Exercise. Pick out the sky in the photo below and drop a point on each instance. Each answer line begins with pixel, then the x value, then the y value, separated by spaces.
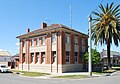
pixel 18 15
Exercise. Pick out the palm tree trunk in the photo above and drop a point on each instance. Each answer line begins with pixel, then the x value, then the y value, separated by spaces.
pixel 108 55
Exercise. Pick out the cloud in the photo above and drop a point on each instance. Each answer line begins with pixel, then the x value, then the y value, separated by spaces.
pixel 17 44
pixel 2 50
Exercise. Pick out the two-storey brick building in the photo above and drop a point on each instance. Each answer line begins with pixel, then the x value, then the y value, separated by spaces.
pixel 53 49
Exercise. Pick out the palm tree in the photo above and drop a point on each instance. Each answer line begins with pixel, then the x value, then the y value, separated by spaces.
pixel 106 27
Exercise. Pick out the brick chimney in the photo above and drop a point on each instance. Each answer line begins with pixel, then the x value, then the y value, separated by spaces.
pixel 43 25
pixel 28 30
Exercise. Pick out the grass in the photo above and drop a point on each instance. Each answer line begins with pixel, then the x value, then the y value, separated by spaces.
pixel 116 68
pixel 72 76
pixel 99 73
pixel 109 71
pixel 30 74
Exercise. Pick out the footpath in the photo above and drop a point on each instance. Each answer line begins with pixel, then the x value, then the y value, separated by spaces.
pixel 64 74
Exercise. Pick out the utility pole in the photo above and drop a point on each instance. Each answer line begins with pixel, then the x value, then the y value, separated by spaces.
pixel 90 46
pixel 70 14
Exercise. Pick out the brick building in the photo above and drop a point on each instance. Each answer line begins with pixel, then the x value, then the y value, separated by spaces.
pixel 53 49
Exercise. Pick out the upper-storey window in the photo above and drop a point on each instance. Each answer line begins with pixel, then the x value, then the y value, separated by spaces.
pixel 24 43
pixel 67 39
pixel 76 41
pixel 83 44
pixel 37 41
pixel 53 38
pixel 32 42
pixel 43 41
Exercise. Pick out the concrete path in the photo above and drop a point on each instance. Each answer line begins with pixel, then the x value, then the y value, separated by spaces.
pixel 72 73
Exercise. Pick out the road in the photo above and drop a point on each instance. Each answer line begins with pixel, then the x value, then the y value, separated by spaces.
pixel 9 78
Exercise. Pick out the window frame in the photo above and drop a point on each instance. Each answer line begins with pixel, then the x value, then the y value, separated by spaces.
pixel 67 57
pixel 43 40
pixel 32 57
pixel 76 56
pixel 54 38
pixel 43 57
pixel 37 41
pixel 67 39
pixel 32 41
pixel 54 56
pixel 37 57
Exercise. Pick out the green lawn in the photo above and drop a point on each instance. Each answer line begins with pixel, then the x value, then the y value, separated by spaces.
pixel 116 68
pixel 72 76
pixel 30 74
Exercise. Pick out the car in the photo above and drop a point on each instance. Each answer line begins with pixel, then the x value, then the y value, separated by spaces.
pixel 4 68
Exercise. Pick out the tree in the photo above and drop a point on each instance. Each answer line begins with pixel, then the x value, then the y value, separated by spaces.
pixel 106 27
pixel 95 56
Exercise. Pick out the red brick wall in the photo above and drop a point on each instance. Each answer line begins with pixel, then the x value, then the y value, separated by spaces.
pixel 80 50
pixel 63 48
pixel 21 51
pixel 72 56
pixel 58 48
pixel 49 49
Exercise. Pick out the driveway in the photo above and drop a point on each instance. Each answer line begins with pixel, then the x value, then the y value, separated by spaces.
pixel 9 78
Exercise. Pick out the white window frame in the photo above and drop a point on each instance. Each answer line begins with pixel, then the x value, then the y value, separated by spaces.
pixel 67 39
pixel 37 57
pixel 53 38
pixel 54 56
pixel 43 57
pixel 43 40
pixel 76 40
pixel 32 58
pixel 76 56
pixel 32 42
pixel 24 43
pixel 37 41
pixel 67 56
pixel 83 44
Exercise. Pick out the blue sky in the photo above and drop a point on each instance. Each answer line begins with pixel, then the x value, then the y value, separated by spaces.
pixel 17 15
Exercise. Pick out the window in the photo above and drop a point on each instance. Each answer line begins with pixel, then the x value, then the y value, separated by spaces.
pixel 37 41
pixel 24 43
pixel 67 56
pixel 76 57
pixel 24 58
pixel 37 57
pixel 83 44
pixel 32 42
pixel 32 57
pixel 43 41
pixel 67 39
pixel 43 57
pixel 53 38
pixel 76 41
pixel 54 56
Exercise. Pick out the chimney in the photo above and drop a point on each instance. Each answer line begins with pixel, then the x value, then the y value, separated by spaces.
pixel 43 25
pixel 28 30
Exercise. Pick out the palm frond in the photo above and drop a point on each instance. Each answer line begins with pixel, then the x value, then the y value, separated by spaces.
pixel 102 8
pixel 116 8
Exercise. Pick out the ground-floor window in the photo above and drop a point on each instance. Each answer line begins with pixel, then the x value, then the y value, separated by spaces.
pixel 32 57
pixel 24 58
pixel 76 57
pixel 43 57
pixel 54 56
pixel 67 56
pixel 37 57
